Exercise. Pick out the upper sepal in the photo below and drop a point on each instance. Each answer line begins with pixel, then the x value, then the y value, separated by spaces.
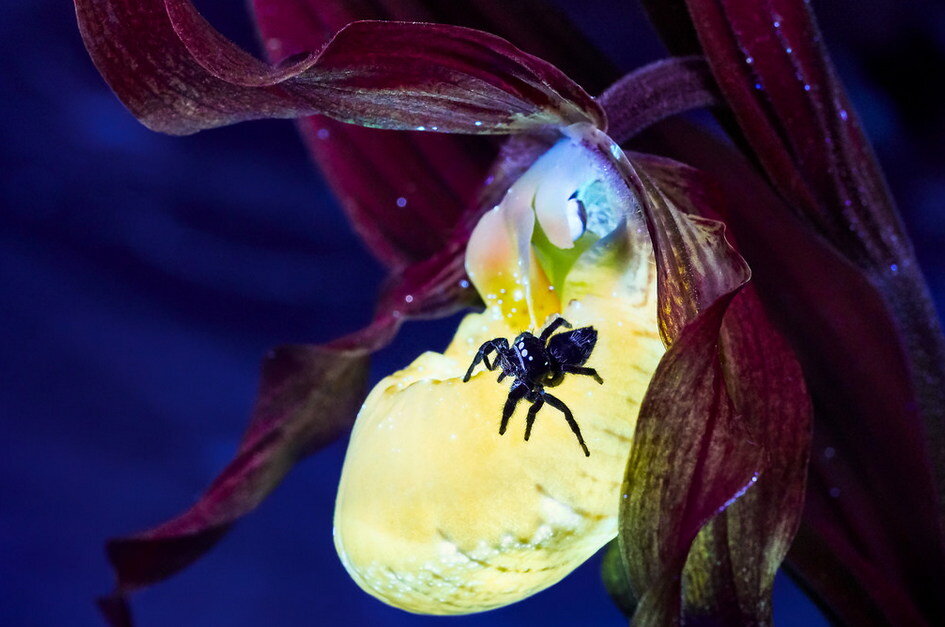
pixel 179 75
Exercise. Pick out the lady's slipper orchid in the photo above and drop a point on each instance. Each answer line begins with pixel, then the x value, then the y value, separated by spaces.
pixel 699 453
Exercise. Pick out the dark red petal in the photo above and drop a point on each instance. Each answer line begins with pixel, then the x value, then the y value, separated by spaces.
pixel 421 183
pixel 871 562
pixel 773 69
pixel 178 75
pixel 771 66
pixel 731 568
pixel 290 27
pixel 657 91
pixel 691 458
pixel 727 409
pixel 308 396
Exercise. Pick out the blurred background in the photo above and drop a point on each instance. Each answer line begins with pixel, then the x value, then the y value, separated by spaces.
pixel 142 277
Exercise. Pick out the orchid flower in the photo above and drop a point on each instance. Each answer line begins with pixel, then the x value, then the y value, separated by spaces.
pixel 699 437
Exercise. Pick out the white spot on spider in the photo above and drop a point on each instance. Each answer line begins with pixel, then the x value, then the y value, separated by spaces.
pixel 322 133
pixel 401 202
pixel 524 350
pixel 408 298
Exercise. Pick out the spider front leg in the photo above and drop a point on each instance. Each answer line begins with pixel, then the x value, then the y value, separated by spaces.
pixel 558 404
pixel 553 327
pixel 590 372
pixel 497 345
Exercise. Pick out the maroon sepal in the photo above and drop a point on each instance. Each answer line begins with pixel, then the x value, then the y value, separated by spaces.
pixel 421 183
pixel 178 75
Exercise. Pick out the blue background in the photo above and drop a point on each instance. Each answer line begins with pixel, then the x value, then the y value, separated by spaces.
pixel 142 277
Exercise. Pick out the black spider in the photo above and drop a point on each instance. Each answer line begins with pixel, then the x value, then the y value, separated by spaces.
pixel 535 366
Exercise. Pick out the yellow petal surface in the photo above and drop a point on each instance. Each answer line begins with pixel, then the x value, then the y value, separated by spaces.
pixel 437 513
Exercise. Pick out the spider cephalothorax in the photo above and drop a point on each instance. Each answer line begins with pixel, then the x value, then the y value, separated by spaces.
pixel 536 363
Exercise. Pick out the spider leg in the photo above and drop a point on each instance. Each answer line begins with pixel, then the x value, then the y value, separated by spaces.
pixel 558 404
pixel 502 375
pixel 553 327
pixel 483 353
pixel 532 414
pixel 590 372
pixel 515 395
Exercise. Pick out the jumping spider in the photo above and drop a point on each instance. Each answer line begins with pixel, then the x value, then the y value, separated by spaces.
pixel 536 363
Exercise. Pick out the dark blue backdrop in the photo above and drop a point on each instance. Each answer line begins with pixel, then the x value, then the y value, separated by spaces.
pixel 143 277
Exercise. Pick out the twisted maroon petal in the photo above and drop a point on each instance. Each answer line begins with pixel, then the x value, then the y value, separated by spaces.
pixel 178 75
pixel 308 396
pixel 421 184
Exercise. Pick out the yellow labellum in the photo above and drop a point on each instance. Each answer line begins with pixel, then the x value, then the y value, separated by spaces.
pixel 436 512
